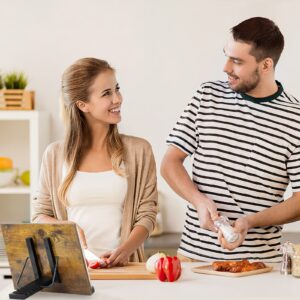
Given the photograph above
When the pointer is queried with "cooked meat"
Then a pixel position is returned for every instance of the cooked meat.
(237, 266)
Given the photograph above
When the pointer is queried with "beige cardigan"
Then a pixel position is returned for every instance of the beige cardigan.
(140, 206)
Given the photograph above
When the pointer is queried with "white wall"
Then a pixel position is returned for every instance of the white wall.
(162, 51)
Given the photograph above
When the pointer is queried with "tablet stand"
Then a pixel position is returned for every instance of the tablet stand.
(35, 260)
(40, 281)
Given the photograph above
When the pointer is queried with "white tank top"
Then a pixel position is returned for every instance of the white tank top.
(96, 204)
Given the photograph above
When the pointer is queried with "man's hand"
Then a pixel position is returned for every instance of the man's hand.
(117, 257)
(207, 213)
(240, 226)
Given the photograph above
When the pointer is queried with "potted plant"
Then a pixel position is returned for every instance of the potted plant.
(15, 81)
(1, 82)
(13, 95)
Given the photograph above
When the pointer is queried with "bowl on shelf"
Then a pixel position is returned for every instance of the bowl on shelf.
(8, 176)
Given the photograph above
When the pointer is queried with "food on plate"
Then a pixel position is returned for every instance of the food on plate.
(168, 268)
(152, 260)
(237, 266)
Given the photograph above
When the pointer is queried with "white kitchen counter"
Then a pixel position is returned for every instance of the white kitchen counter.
(190, 286)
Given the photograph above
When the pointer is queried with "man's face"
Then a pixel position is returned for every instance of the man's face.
(241, 67)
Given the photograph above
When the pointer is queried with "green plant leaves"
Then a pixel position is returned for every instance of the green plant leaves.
(15, 80)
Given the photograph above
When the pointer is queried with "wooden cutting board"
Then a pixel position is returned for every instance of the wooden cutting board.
(131, 271)
(208, 270)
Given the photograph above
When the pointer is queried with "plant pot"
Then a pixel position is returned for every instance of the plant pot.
(16, 99)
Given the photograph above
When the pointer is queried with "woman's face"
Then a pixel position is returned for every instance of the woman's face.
(105, 100)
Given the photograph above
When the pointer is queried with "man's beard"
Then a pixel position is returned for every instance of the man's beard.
(248, 85)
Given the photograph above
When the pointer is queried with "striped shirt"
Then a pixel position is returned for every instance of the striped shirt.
(245, 152)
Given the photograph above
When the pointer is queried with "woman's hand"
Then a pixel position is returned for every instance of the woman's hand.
(120, 255)
(117, 257)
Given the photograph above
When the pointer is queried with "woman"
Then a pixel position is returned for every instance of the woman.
(102, 181)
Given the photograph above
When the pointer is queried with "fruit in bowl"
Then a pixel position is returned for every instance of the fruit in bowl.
(5, 163)
(25, 177)
(7, 176)
(7, 173)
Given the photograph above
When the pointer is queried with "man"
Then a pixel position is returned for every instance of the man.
(244, 135)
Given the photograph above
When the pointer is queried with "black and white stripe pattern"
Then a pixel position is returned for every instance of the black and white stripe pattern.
(244, 155)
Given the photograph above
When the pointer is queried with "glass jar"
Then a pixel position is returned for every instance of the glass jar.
(296, 261)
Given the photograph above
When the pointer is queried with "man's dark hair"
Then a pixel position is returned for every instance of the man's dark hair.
(264, 36)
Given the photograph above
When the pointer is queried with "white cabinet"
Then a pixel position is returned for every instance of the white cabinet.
(24, 136)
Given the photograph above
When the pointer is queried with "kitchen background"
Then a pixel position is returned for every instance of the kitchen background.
(162, 50)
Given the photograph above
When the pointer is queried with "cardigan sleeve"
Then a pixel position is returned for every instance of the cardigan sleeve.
(147, 208)
(42, 203)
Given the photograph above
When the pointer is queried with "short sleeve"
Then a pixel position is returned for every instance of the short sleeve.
(184, 134)
(293, 169)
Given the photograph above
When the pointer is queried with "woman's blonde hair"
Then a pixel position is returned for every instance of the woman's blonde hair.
(76, 83)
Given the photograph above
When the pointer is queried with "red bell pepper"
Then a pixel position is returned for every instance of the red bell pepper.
(160, 270)
(168, 268)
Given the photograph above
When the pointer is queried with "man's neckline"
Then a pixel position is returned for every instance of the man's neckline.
(264, 99)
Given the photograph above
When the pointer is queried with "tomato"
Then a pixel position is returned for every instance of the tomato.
(94, 264)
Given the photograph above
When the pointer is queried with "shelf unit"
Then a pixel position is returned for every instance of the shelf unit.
(15, 189)
(24, 136)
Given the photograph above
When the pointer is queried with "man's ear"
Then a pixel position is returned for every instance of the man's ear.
(82, 106)
(268, 64)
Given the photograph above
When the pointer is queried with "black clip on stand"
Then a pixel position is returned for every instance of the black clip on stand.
(40, 282)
